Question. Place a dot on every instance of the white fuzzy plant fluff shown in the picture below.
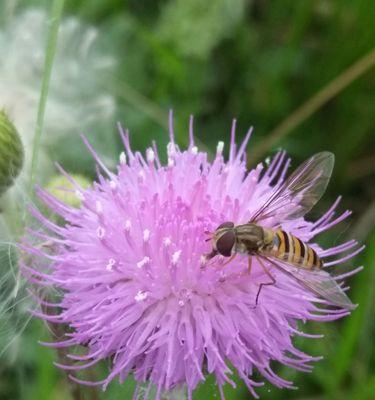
(76, 104)
(76, 100)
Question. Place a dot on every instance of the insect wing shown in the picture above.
(300, 191)
(318, 281)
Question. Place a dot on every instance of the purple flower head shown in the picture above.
(135, 288)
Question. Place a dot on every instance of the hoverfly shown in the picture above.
(291, 199)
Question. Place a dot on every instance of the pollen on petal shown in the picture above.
(140, 296)
(145, 260)
(100, 232)
(127, 225)
(171, 149)
(113, 184)
(99, 207)
(146, 235)
(194, 150)
(220, 148)
(176, 256)
(167, 241)
(110, 264)
(141, 175)
(150, 155)
(122, 158)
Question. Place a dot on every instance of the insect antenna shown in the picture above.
(208, 233)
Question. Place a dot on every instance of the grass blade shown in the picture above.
(56, 12)
(314, 103)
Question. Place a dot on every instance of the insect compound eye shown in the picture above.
(225, 244)
(227, 224)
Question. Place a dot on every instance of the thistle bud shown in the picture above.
(61, 188)
(11, 152)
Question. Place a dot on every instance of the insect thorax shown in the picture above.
(250, 238)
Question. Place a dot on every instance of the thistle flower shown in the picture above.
(132, 288)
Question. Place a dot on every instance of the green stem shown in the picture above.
(179, 393)
(314, 103)
(57, 8)
(138, 100)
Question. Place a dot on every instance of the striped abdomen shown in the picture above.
(293, 250)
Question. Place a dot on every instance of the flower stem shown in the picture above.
(179, 393)
(315, 102)
(57, 8)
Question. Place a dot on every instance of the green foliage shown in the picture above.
(194, 28)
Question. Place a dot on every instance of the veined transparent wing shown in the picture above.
(300, 191)
(318, 282)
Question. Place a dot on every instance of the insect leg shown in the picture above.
(249, 260)
(229, 260)
(273, 280)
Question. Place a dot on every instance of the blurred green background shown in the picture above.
(257, 61)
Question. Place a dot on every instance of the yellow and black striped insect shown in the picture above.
(274, 247)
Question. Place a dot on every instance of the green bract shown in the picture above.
(11, 152)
